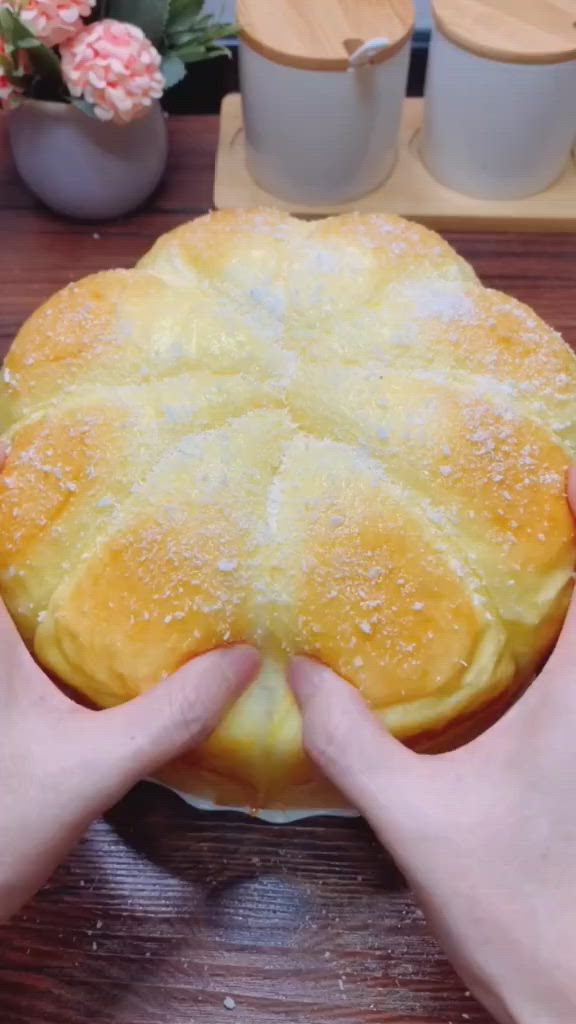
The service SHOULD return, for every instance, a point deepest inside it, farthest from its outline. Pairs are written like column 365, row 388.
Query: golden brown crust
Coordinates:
column 321, row 438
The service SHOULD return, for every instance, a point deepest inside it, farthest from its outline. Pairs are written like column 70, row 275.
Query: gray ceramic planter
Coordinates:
column 83, row 168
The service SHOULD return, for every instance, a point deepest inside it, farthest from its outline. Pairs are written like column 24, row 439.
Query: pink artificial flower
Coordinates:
column 115, row 68
column 52, row 21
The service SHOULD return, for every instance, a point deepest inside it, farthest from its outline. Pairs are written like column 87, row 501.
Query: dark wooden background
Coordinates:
column 163, row 913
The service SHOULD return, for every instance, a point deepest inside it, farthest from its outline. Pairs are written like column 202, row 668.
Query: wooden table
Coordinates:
column 162, row 913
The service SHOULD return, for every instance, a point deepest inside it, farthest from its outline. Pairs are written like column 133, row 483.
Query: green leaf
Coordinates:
column 184, row 21
column 223, row 31
column 84, row 106
column 188, row 28
column 5, row 24
column 200, row 37
column 193, row 54
column 8, row 21
column 173, row 69
column 178, row 8
column 44, row 61
column 198, row 23
column 184, row 9
column 177, row 39
column 149, row 15
column 12, row 31
column 190, row 53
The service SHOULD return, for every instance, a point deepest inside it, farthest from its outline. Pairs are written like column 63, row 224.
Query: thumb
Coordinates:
column 179, row 713
column 373, row 770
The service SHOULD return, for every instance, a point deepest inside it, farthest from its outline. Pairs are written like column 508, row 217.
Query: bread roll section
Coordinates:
column 320, row 438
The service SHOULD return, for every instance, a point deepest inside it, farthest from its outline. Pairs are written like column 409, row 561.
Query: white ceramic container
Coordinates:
column 322, row 115
column 500, row 107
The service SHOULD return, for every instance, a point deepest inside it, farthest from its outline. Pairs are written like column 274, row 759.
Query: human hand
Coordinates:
column 486, row 834
column 62, row 765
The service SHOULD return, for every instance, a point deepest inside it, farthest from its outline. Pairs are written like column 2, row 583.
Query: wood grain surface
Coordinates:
column 162, row 914
column 315, row 37
column 530, row 32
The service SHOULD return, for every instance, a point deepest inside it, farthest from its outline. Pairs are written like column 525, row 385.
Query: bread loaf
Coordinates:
column 325, row 438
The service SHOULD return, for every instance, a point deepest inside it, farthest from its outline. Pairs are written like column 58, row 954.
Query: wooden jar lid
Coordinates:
column 511, row 31
column 320, row 35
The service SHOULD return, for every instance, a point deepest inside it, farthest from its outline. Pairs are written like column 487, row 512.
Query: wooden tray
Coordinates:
column 410, row 191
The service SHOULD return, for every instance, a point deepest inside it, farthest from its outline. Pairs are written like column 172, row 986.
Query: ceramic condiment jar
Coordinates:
column 323, row 86
column 500, row 107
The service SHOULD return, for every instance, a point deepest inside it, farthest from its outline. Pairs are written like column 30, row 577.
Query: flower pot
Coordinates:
column 84, row 168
